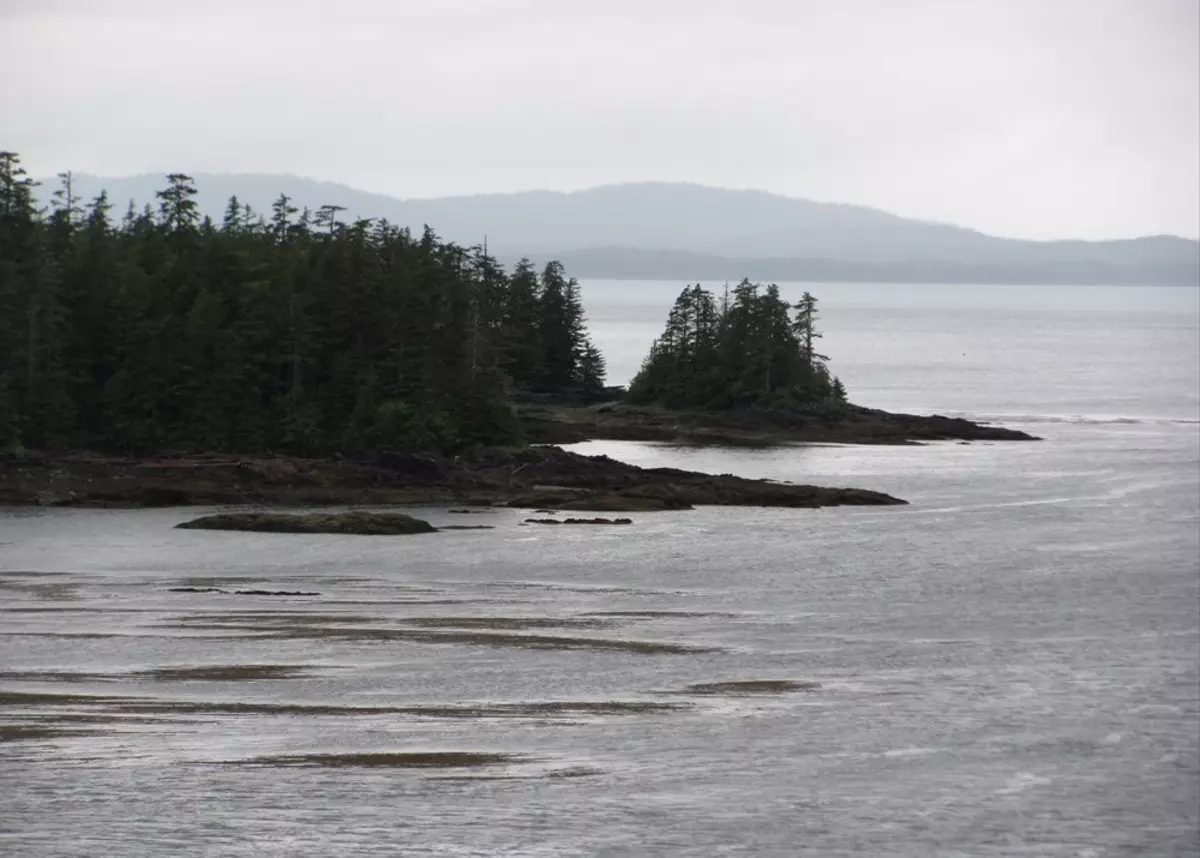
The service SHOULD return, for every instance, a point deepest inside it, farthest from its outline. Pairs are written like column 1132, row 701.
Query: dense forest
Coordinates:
column 288, row 330
column 745, row 351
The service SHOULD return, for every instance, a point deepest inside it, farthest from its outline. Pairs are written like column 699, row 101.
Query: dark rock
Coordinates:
column 241, row 592
column 162, row 496
column 751, row 686
column 415, row 464
column 579, row 521
column 571, row 481
column 356, row 522
column 850, row 424
column 274, row 593
column 543, row 478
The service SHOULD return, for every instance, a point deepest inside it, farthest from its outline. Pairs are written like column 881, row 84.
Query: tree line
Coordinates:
column 745, row 350
column 288, row 330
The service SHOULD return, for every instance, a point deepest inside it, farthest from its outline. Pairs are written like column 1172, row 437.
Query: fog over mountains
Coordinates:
column 693, row 232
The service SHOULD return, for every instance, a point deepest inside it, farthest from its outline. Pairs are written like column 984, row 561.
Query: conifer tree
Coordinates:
column 745, row 352
column 167, row 331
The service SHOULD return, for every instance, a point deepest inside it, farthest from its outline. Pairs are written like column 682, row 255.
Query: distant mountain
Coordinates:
column 686, row 231
column 629, row 263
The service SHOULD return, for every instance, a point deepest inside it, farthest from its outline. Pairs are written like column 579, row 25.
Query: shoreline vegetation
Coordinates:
column 297, row 359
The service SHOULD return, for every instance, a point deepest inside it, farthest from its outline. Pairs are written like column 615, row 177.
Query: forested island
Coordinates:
column 744, row 351
column 743, row 369
column 165, row 337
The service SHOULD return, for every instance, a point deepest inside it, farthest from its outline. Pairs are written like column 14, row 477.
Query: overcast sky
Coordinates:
column 1030, row 118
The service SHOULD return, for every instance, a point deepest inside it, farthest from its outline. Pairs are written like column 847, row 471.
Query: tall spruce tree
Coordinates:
column 746, row 351
column 303, row 333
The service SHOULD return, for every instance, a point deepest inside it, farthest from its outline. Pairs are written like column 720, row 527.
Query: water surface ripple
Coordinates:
column 1007, row 667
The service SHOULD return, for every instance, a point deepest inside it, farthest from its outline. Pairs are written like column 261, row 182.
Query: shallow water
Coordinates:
column 1009, row 666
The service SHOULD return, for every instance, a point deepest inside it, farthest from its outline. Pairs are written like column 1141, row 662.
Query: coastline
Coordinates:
column 551, row 423
column 536, row 476
column 531, row 478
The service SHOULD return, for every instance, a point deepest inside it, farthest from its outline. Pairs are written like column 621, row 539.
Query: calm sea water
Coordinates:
column 1010, row 666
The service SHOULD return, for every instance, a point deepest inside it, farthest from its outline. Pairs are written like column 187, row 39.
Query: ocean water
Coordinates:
column 1009, row 666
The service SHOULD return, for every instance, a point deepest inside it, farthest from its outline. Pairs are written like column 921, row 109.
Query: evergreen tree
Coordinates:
column 591, row 372
column 177, row 204
column 557, row 327
column 805, row 328
column 520, row 335
column 745, row 352
column 167, row 331
column 31, row 356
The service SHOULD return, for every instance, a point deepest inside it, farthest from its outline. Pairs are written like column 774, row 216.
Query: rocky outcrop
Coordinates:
column 542, row 477
column 603, row 483
column 357, row 522
column 551, row 424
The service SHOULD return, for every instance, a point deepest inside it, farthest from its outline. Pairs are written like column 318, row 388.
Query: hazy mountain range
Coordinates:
column 692, row 232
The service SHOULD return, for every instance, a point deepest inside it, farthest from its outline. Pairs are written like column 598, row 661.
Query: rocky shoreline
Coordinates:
column 548, row 423
column 534, row 477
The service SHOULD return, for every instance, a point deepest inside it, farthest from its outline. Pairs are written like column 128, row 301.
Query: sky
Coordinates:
column 1024, row 118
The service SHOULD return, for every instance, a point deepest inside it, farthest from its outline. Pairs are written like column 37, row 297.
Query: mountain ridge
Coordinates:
column 684, row 230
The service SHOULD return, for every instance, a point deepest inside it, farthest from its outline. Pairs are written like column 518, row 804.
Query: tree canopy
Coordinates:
column 746, row 350
column 289, row 330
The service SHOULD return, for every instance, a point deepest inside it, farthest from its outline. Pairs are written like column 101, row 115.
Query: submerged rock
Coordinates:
column 579, row 521
column 275, row 593
column 751, row 686
column 407, row 760
column 241, row 592
column 224, row 672
column 356, row 522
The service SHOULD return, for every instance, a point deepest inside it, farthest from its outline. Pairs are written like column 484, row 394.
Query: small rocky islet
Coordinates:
column 357, row 522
